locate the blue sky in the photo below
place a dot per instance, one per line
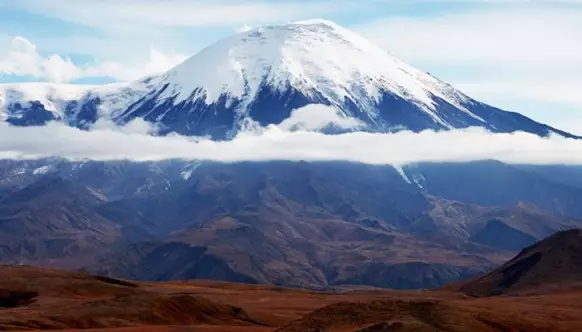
(519, 55)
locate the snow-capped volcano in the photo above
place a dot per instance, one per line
(319, 59)
(265, 73)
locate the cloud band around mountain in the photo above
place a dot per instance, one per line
(278, 142)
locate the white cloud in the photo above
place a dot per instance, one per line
(243, 28)
(573, 126)
(137, 126)
(558, 91)
(514, 53)
(59, 69)
(136, 14)
(157, 62)
(316, 117)
(117, 32)
(23, 59)
(160, 62)
(274, 143)
(525, 37)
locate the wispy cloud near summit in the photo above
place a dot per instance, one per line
(24, 59)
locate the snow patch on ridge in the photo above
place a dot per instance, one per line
(402, 174)
(41, 170)
(55, 98)
(52, 96)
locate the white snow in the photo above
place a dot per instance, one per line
(52, 96)
(41, 170)
(187, 173)
(402, 174)
(19, 171)
(414, 174)
(315, 57)
(114, 98)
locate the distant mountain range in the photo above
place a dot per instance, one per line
(314, 225)
(260, 77)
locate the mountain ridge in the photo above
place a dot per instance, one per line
(551, 265)
(314, 225)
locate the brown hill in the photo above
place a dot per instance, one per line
(32, 298)
(554, 264)
(40, 299)
(442, 314)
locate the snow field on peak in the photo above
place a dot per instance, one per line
(315, 57)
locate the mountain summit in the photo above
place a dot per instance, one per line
(262, 75)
